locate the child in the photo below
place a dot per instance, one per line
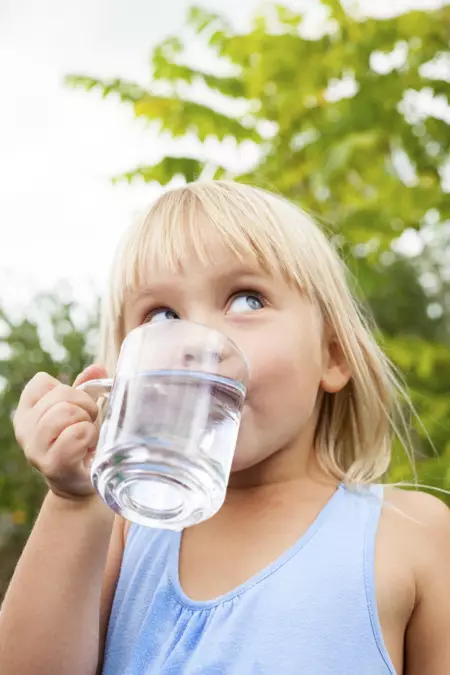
(303, 570)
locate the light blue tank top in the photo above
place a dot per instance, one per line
(312, 612)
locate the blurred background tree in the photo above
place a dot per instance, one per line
(348, 117)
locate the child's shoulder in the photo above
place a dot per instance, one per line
(418, 519)
(422, 512)
(414, 550)
(415, 531)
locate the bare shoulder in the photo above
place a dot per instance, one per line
(412, 562)
(418, 512)
(418, 503)
(417, 526)
(420, 524)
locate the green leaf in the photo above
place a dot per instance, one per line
(164, 171)
(128, 91)
(201, 19)
(181, 117)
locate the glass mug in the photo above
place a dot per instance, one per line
(172, 418)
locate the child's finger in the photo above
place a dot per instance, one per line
(92, 372)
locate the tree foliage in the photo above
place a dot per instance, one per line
(337, 119)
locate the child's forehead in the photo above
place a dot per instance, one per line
(225, 268)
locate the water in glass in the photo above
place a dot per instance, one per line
(167, 446)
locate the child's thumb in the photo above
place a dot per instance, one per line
(92, 372)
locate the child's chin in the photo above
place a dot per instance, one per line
(242, 462)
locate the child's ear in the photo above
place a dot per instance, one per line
(336, 370)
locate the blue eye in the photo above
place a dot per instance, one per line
(246, 302)
(161, 314)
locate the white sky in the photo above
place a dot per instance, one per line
(60, 216)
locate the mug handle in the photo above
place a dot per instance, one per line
(97, 388)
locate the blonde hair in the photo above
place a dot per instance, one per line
(356, 425)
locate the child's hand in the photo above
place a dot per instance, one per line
(55, 426)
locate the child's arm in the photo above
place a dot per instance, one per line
(428, 635)
(52, 620)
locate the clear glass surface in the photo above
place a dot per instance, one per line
(171, 424)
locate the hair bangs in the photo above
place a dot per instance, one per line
(196, 219)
